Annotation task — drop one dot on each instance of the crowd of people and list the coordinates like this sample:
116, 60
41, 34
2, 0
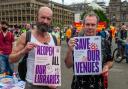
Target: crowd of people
40, 35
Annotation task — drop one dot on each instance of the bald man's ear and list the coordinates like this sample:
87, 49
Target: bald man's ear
37, 16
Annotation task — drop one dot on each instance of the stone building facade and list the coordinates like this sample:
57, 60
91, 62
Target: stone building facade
118, 12
25, 11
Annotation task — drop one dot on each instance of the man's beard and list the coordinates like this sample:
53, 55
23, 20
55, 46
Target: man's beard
42, 27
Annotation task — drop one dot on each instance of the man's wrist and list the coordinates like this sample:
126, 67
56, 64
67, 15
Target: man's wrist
70, 49
22, 52
106, 66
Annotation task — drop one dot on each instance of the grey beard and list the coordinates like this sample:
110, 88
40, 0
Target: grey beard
42, 30
42, 27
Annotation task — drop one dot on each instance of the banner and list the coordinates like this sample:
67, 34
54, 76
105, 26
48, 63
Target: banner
101, 25
78, 25
87, 55
47, 69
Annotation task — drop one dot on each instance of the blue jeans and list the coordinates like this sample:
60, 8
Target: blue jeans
4, 65
126, 52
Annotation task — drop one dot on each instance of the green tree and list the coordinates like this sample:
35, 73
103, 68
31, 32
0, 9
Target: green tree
55, 24
100, 13
87, 10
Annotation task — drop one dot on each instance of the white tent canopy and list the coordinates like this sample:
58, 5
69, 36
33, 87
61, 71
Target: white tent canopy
96, 6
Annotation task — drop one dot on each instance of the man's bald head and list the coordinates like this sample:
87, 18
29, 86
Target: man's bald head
44, 19
44, 15
44, 10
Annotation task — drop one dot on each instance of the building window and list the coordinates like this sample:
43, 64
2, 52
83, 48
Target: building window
32, 19
11, 19
27, 4
24, 18
123, 17
32, 11
15, 19
28, 11
19, 18
3, 19
23, 12
3, 13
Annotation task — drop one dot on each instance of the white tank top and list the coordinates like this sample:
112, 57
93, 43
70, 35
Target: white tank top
31, 58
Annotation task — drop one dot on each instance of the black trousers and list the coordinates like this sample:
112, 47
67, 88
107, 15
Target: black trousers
31, 86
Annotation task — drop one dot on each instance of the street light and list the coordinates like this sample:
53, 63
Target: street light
50, 4
63, 13
113, 20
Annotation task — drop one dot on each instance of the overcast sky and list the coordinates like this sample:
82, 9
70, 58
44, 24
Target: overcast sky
76, 1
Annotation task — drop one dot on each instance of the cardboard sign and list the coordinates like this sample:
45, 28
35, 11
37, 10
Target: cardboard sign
87, 55
47, 69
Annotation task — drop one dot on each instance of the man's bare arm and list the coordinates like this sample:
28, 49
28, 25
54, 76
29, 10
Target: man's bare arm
109, 64
69, 55
21, 48
69, 58
17, 51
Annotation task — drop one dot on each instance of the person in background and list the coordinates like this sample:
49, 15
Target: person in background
68, 34
28, 27
55, 32
16, 31
126, 50
6, 44
121, 37
126, 45
25, 28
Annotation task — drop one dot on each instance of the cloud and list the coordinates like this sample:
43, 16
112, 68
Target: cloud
67, 2
78, 1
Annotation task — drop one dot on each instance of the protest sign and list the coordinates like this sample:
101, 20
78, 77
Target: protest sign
47, 69
87, 55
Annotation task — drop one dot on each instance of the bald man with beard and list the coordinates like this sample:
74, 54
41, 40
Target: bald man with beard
39, 35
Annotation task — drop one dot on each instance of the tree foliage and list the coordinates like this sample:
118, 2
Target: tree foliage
100, 13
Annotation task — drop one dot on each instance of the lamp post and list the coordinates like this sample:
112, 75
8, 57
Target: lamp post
113, 20
51, 4
63, 14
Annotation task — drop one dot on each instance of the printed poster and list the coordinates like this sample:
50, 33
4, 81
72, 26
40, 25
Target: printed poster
87, 55
47, 70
